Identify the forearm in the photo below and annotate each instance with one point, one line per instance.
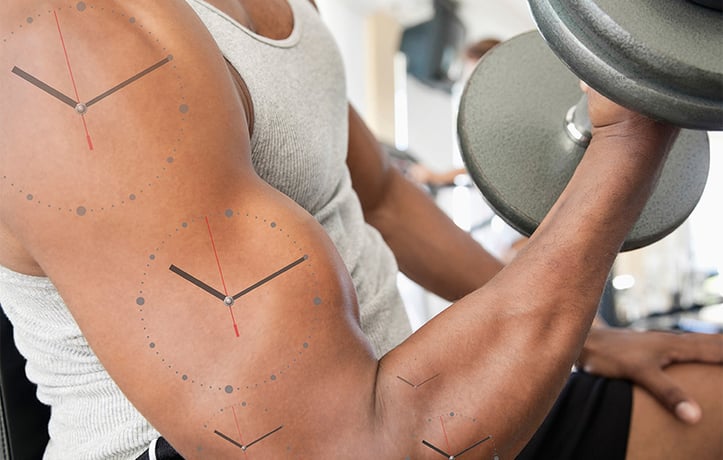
(507, 348)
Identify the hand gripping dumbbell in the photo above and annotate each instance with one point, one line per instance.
(523, 124)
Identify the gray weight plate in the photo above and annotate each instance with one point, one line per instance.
(715, 4)
(516, 149)
(663, 58)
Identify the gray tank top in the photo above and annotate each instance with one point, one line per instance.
(299, 146)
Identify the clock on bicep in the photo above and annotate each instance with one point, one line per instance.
(229, 302)
(75, 108)
(447, 436)
(250, 427)
(450, 434)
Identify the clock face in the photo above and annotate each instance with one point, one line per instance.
(80, 98)
(247, 261)
(445, 435)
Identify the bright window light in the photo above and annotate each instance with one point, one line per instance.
(622, 282)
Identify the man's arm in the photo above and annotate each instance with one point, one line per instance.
(220, 307)
(432, 251)
(561, 272)
(421, 236)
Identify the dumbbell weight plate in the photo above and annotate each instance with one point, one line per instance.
(714, 4)
(663, 58)
(513, 141)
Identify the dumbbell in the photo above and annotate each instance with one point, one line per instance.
(523, 125)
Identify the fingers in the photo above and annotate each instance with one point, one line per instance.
(604, 112)
(702, 348)
(670, 395)
(681, 348)
(688, 412)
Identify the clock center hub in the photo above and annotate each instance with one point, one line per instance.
(81, 108)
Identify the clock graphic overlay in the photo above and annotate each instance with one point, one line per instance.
(95, 98)
(223, 297)
(440, 437)
(248, 428)
(445, 435)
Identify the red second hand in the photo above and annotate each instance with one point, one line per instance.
(444, 430)
(72, 80)
(220, 272)
(238, 430)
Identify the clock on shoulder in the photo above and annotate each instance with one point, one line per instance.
(70, 93)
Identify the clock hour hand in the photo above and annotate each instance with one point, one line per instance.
(44, 86)
(271, 276)
(127, 82)
(192, 279)
(436, 449)
(227, 438)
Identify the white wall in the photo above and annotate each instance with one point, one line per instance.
(346, 20)
(707, 231)
(502, 19)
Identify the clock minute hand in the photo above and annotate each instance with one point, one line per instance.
(127, 82)
(271, 276)
(192, 279)
(262, 437)
(473, 446)
(44, 86)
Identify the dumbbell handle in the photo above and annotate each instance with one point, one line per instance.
(577, 123)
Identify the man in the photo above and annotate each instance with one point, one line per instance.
(137, 220)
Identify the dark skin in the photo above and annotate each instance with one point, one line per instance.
(91, 261)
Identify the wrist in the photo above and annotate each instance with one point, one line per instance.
(636, 133)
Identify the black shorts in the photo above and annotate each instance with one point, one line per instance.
(590, 420)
